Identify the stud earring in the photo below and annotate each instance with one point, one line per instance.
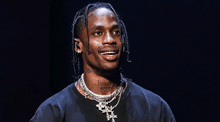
(78, 51)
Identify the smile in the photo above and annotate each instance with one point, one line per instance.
(109, 53)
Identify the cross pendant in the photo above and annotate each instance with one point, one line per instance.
(101, 106)
(112, 116)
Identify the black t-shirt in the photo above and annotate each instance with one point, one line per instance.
(136, 105)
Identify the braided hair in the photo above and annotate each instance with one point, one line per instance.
(82, 16)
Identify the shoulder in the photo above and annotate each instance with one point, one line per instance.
(55, 106)
(140, 92)
(149, 102)
(61, 97)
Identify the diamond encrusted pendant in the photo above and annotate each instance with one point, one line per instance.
(112, 116)
(107, 109)
(101, 106)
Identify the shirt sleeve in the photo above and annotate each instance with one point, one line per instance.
(47, 113)
(166, 113)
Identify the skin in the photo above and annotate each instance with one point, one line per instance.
(101, 66)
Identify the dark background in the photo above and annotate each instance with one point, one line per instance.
(174, 51)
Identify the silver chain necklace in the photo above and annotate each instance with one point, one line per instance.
(102, 99)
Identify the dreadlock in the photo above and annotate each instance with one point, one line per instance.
(82, 16)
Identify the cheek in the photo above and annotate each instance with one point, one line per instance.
(94, 44)
(120, 44)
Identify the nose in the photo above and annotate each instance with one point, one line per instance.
(109, 39)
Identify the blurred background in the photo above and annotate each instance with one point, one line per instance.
(174, 49)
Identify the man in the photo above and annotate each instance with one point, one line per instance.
(102, 93)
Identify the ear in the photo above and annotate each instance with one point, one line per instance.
(78, 45)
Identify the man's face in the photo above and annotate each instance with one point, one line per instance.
(104, 41)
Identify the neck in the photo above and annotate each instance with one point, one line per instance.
(102, 83)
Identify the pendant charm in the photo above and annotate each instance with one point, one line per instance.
(101, 106)
(106, 109)
(112, 116)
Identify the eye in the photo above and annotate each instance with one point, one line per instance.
(116, 32)
(98, 33)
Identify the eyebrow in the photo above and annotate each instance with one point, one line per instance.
(115, 26)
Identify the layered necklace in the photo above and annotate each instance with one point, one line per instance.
(104, 100)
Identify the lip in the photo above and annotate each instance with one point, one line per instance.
(109, 53)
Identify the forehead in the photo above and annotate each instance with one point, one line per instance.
(101, 15)
(101, 12)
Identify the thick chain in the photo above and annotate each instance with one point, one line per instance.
(97, 96)
(101, 99)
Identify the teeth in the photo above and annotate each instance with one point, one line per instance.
(108, 53)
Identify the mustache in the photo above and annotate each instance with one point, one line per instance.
(108, 48)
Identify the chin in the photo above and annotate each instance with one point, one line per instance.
(109, 69)
(110, 66)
